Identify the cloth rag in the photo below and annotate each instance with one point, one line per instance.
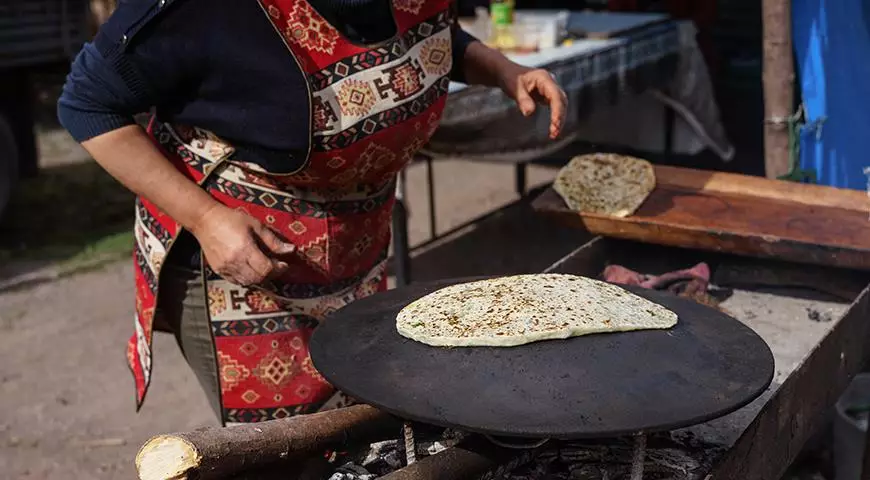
(691, 283)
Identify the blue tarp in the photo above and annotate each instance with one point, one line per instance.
(832, 44)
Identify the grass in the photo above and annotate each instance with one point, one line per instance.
(75, 215)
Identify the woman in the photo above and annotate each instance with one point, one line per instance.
(266, 174)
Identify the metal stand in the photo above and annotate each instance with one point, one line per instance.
(410, 444)
(638, 457)
(430, 180)
(865, 468)
(401, 250)
(520, 178)
(670, 125)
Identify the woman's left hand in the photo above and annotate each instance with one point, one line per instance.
(529, 86)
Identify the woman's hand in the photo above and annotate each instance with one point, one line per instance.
(528, 86)
(239, 248)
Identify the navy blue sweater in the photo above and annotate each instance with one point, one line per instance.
(215, 65)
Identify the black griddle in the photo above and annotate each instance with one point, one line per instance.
(592, 386)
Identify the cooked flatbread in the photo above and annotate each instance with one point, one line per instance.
(516, 310)
(605, 184)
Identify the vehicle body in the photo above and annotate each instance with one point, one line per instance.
(35, 36)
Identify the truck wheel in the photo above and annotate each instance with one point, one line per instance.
(8, 164)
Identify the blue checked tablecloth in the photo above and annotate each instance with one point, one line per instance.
(482, 122)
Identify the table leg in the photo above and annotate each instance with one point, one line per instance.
(865, 468)
(430, 180)
(520, 177)
(401, 250)
(670, 119)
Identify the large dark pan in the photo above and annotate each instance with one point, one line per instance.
(591, 386)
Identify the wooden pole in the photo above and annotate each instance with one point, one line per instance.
(778, 82)
(219, 453)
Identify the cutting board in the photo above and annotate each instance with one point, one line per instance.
(604, 25)
(739, 214)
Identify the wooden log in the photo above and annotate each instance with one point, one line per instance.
(473, 458)
(778, 81)
(216, 453)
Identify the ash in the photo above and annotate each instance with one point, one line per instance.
(669, 456)
(388, 456)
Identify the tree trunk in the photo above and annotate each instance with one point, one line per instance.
(778, 79)
(220, 453)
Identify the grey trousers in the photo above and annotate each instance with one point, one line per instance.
(183, 309)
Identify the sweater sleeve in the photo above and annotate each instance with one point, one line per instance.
(461, 41)
(95, 99)
(133, 64)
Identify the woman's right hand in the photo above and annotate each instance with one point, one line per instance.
(239, 248)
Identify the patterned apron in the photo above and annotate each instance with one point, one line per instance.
(371, 109)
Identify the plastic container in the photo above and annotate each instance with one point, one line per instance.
(849, 432)
(515, 38)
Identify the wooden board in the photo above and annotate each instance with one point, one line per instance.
(604, 25)
(742, 215)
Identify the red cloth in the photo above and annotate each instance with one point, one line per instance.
(689, 282)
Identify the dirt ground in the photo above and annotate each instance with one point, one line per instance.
(66, 396)
(65, 392)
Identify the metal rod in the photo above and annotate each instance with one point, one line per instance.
(865, 469)
(410, 445)
(638, 457)
(520, 177)
(401, 250)
(480, 218)
(670, 120)
(430, 180)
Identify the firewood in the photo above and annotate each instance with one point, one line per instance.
(217, 453)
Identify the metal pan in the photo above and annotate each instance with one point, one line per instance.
(585, 387)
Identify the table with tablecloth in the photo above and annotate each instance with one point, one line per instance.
(620, 92)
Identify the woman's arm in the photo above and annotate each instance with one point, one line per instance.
(527, 86)
(233, 242)
(103, 92)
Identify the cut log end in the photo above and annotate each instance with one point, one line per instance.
(167, 457)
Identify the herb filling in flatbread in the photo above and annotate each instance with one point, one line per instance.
(605, 184)
(521, 309)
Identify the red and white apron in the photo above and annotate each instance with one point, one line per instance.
(371, 109)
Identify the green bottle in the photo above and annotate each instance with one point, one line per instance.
(501, 12)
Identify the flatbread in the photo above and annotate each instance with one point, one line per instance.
(516, 310)
(605, 184)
